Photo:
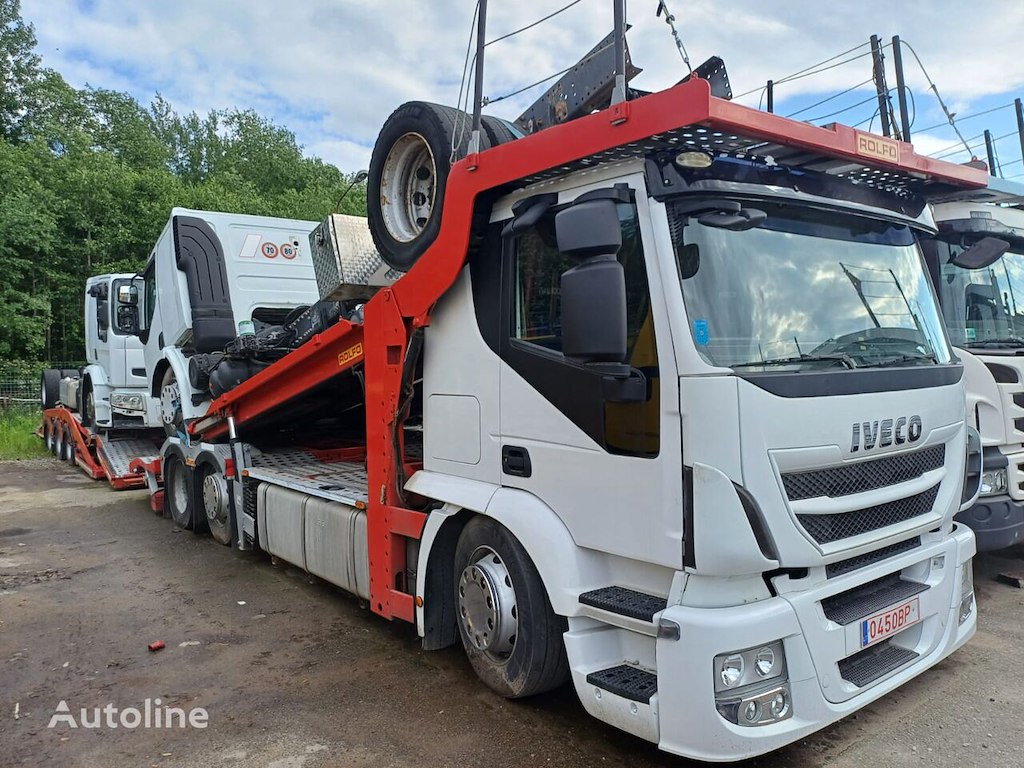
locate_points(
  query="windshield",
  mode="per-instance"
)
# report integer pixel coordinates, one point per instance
(807, 289)
(983, 307)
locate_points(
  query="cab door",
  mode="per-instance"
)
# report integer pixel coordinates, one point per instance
(611, 470)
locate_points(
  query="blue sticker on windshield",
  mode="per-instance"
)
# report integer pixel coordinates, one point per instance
(700, 332)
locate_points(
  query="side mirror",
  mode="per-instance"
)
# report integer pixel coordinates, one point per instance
(593, 292)
(983, 253)
(128, 294)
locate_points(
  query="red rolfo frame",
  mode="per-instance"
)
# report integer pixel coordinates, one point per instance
(382, 342)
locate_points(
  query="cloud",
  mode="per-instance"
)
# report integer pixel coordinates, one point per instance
(332, 70)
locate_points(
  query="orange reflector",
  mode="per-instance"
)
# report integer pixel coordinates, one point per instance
(419, 601)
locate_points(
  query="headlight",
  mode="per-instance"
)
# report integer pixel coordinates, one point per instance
(127, 402)
(993, 482)
(752, 665)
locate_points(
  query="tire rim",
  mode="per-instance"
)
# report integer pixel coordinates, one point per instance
(170, 404)
(58, 443)
(215, 501)
(179, 491)
(90, 408)
(408, 187)
(48, 435)
(487, 604)
(42, 393)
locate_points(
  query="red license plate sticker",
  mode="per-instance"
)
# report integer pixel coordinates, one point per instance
(889, 622)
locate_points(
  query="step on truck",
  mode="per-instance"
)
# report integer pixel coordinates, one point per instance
(622, 414)
(981, 291)
(208, 274)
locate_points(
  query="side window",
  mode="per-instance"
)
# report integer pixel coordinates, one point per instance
(538, 272)
(535, 334)
(149, 278)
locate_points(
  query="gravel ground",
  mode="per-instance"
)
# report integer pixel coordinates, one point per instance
(295, 674)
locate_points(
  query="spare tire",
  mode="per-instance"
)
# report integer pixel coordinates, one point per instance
(497, 131)
(408, 173)
(49, 388)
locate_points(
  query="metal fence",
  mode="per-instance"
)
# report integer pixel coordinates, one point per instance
(21, 387)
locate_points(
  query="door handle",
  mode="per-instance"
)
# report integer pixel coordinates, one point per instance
(515, 460)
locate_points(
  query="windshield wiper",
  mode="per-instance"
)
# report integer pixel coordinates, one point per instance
(843, 358)
(1009, 341)
(900, 360)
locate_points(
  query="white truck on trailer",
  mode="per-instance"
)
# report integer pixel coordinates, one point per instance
(983, 306)
(209, 275)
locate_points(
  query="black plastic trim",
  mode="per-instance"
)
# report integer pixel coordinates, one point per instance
(689, 555)
(200, 255)
(855, 382)
(757, 523)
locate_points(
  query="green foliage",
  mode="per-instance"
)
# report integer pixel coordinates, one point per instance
(89, 177)
(17, 434)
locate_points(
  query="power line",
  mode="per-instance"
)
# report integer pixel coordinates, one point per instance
(549, 77)
(965, 119)
(942, 153)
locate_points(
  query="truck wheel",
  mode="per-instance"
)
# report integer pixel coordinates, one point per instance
(177, 496)
(49, 388)
(497, 131)
(68, 453)
(58, 440)
(49, 439)
(170, 405)
(88, 406)
(512, 636)
(214, 489)
(408, 172)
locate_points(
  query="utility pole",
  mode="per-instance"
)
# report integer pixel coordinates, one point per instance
(878, 75)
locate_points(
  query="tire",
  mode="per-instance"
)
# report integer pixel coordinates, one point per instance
(497, 131)
(49, 438)
(178, 495)
(170, 405)
(88, 407)
(49, 388)
(512, 637)
(213, 491)
(58, 440)
(407, 177)
(68, 444)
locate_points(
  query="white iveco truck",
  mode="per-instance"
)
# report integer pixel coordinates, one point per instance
(983, 306)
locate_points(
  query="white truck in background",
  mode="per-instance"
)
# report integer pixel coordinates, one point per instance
(983, 306)
(209, 276)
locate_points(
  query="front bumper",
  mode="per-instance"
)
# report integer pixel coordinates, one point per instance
(997, 521)
(689, 724)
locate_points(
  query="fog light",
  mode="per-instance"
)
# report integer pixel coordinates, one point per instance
(751, 712)
(779, 705)
(993, 482)
(966, 609)
(732, 670)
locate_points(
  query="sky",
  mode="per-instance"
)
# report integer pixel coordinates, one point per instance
(332, 71)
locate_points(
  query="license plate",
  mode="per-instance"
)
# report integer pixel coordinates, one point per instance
(889, 622)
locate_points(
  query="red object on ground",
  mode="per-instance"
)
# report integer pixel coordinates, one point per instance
(156, 646)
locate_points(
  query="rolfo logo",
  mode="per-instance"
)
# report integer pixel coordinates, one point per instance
(152, 714)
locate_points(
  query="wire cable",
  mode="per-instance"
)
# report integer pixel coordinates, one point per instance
(935, 90)
(872, 97)
(549, 77)
(801, 73)
(534, 24)
(828, 99)
(965, 119)
(464, 85)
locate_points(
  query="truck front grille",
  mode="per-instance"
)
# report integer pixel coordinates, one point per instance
(863, 476)
(842, 525)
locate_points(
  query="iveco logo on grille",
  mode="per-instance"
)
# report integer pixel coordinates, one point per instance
(879, 434)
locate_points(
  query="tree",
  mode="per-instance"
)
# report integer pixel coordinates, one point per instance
(19, 67)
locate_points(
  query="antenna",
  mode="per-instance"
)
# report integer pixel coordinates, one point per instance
(671, 21)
